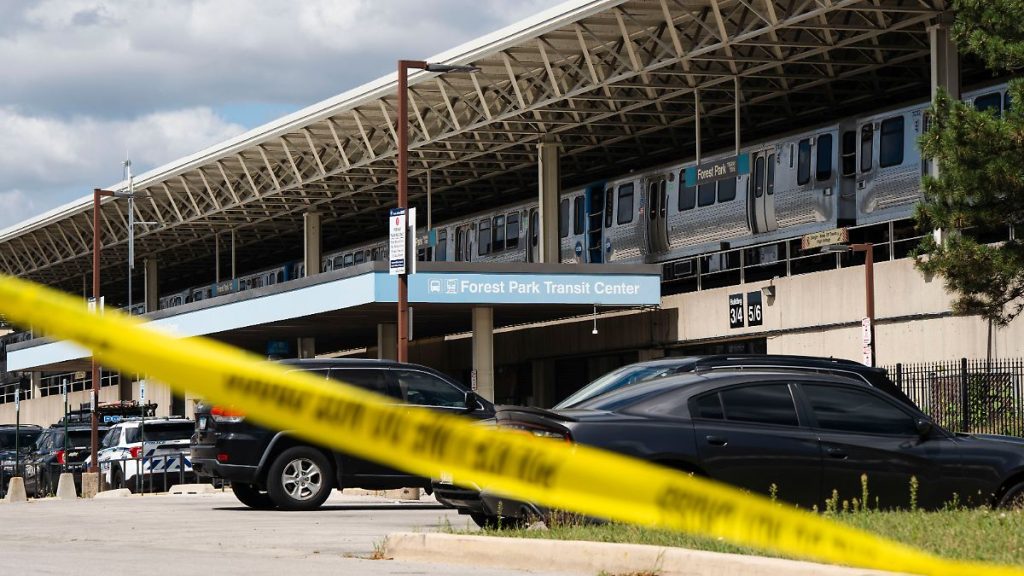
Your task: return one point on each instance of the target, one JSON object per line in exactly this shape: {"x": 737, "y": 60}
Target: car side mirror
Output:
{"x": 472, "y": 401}
{"x": 924, "y": 427}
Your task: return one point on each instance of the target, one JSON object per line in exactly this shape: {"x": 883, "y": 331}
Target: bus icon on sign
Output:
{"x": 435, "y": 287}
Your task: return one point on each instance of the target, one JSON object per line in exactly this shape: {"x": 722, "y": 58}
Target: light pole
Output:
{"x": 97, "y": 245}
{"x": 403, "y": 181}
{"x": 869, "y": 293}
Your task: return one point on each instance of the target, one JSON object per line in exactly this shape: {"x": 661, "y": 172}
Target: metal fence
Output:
{"x": 41, "y": 479}
{"x": 976, "y": 396}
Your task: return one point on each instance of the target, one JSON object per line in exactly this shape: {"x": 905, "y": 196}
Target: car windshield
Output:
{"x": 28, "y": 438}
{"x": 617, "y": 379}
{"x": 79, "y": 438}
{"x": 160, "y": 432}
{"x": 639, "y": 391}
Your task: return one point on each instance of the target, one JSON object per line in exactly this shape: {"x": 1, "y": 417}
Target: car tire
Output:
{"x": 116, "y": 479}
{"x": 300, "y": 479}
{"x": 1013, "y": 499}
{"x": 252, "y": 496}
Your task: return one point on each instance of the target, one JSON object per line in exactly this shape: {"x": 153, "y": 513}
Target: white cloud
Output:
{"x": 86, "y": 80}
{"x": 54, "y": 160}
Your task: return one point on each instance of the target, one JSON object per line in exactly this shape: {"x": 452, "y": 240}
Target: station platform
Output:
{"x": 343, "y": 309}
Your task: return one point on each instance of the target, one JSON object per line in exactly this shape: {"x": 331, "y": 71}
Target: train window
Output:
{"x": 359, "y": 257}
{"x": 867, "y": 146}
{"x": 687, "y": 194}
{"x": 625, "y": 204}
{"x": 580, "y": 210}
{"x": 759, "y": 177}
{"x": 803, "y": 163}
{"x": 849, "y": 153}
{"x": 512, "y": 231}
{"x": 459, "y": 241}
{"x": 988, "y": 102}
{"x": 823, "y": 170}
{"x": 563, "y": 218}
{"x": 770, "y": 183}
{"x": 498, "y": 243}
{"x": 348, "y": 260}
{"x": 338, "y": 261}
{"x": 890, "y": 144}
{"x": 375, "y": 254}
{"x": 664, "y": 198}
{"x": 652, "y": 194}
{"x": 483, "y": 241}
{"x": 609, "y": 206}
{"x": 280, "y": 276}
{"x": 706, "y": 194}
{"x": 726, "y": 190}
{"x": 441, "y": 251}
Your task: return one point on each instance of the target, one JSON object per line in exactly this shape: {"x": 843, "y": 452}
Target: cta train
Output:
{"x": 855, "y": 171}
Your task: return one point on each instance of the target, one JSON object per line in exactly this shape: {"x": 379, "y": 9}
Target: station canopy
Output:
{"x": 611, "y": 81}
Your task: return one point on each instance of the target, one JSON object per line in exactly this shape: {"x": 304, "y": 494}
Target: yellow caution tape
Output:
{"x": 424, "y": 442}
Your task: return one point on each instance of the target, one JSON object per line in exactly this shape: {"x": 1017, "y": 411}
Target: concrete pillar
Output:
{"x": 945, "y": 58}
{"x": 307, "y": 347}
{"x": 548, "y": 183}
{"x": 311, "y": 243}
{"x": 543, "y": 373}
{"x": 36, "y": 381}
{"x": 151, "y": 280}
{"x": 387, "y": 341}
{"x": 483, "y": 351}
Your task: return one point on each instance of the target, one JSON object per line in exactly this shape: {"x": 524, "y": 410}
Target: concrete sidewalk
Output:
{"x": 596, "y": 557}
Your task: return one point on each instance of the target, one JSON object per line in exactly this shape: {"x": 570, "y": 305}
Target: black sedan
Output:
{"x": 802, "y": 436}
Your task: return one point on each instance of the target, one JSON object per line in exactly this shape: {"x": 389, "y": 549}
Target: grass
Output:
{"x": 980, "y": 534}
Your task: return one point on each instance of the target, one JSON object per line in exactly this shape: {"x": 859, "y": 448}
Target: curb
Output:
{"x": 596, "y": 557}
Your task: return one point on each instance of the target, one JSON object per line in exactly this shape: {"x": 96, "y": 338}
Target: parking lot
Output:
{"x": 162, "y": 534}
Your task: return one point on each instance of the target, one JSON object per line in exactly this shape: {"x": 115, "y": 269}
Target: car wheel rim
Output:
{"x": 302, "y": 479}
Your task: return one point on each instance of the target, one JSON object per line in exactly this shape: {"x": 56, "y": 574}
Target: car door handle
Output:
{"x": 716, "y": 440}
{"x": 837, "y": 453}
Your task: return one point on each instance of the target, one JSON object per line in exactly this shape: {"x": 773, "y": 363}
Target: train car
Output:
{"x": 855, "y": 171}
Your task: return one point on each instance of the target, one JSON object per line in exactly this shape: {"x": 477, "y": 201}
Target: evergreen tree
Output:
{"x": 980, "y": 156}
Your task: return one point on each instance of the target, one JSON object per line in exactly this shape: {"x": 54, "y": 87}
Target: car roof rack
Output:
{"x": 110, "y": 412}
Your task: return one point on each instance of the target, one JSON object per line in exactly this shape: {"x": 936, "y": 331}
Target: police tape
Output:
{"x": 428, "y": 443}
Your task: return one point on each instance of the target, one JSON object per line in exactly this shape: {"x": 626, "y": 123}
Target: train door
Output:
{"x": 848, "y": 173}
{"x": 656, "y": 199}
{"x": 464, "y": 243}
{"x": 761, "y": 190}
{"x": 533, "y": 250}
{"x": 595, "y": 223}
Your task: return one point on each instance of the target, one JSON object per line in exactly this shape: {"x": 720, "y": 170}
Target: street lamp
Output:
{"x": 97, "y": 232}
{"x": 869, "y": 289}
{"x": 403, "y": 180}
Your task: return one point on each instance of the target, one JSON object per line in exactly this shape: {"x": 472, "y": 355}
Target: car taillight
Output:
{"x": 226, "y": 414}
{"x": 538, "y": 432}
{"x": 135, "y": 450}
{"x": 60, "y": 456}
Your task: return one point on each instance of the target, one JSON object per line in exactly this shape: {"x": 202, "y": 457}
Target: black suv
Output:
{"x": 269, "y": 468}
{"x": 10, "y": 436}
{"x": 54, "y": 453}
{"x": 466, "y": 499}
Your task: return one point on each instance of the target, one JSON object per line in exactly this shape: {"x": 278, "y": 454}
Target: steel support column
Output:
{"x": 152, "y": 284}
{"x": 311, "y": 242}
{"x": 387, "y": 341}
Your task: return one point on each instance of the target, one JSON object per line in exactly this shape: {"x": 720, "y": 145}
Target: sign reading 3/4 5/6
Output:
{"x": 736, "y": 315}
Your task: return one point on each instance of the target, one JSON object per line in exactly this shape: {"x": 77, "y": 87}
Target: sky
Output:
{"x": 86, "y": 83}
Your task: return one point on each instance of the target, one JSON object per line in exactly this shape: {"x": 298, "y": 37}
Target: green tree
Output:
{"x": 980, "y": 156}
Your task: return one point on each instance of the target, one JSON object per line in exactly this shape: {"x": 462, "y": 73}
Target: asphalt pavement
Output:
{"x": 202, "y": 534}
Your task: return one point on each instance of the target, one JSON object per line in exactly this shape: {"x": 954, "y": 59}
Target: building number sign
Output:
{"x": 750, "y": 315}
{"x": 754, "y": 309}
{"x": 736, "y": 315}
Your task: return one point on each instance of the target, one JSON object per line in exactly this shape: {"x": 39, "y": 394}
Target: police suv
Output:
{"x": 147, "y": 454}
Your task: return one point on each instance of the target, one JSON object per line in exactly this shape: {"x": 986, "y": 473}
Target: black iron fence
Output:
{"x": 976, "y": 396}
